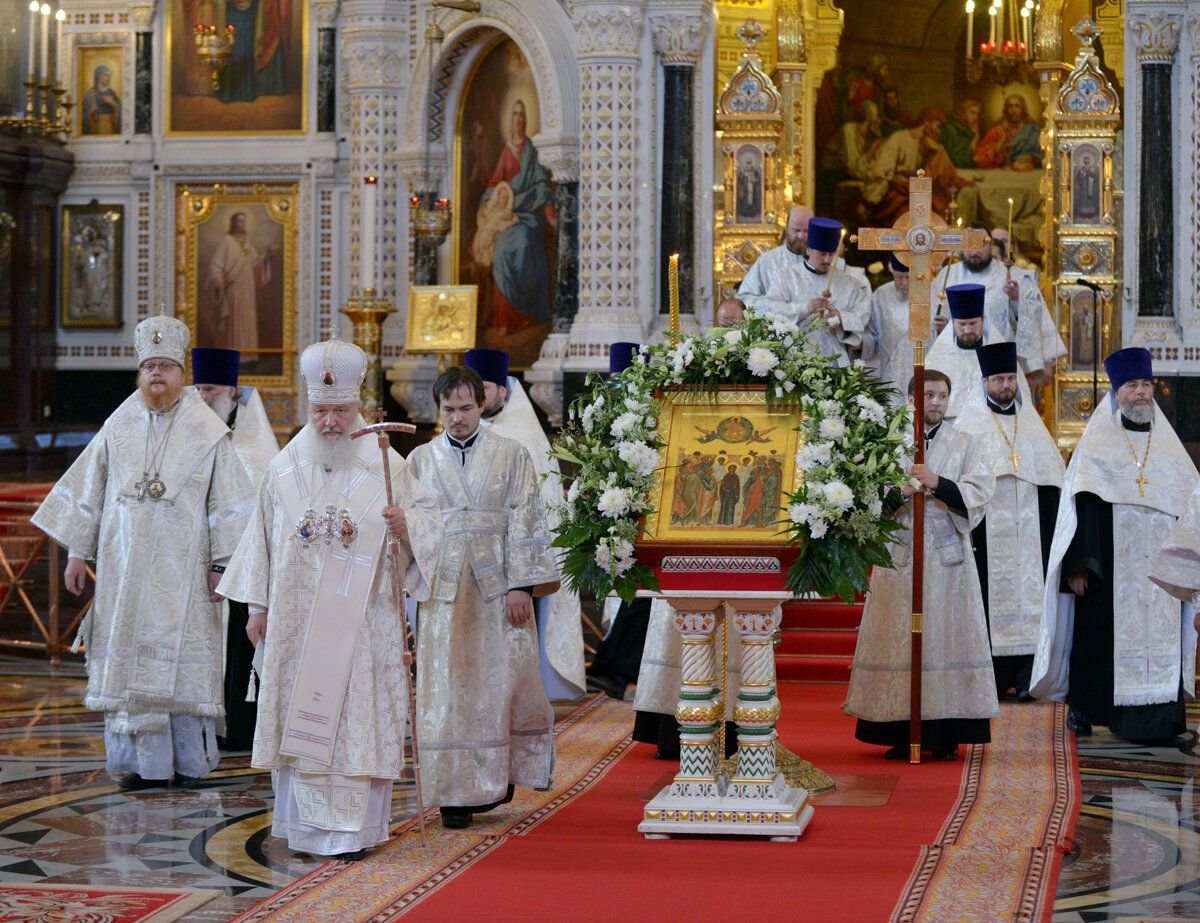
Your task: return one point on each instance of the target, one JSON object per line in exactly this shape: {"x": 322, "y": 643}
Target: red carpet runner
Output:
{"x": 980, "y": 829}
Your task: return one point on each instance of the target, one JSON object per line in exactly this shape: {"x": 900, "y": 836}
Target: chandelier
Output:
{"x": 214, "y": 48}
{"x": 1004, "y": 57}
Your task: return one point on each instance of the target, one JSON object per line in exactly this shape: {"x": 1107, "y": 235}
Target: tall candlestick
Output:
{"x": 992, "y": 26}
{"x": 970, "y": 26}
{"x": 59, "y": 18}
{"x": 1010, "y": 237}
{"x": 33, "y": 15}
{"x": 45, "y": 42}
{"x": 673, "y": 290}
{"x": 366, "y": 234}
{"x": 837, "y": 254}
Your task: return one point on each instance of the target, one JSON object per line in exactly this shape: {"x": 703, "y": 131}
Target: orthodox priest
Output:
{"x": 1114, "y": 644}
{"x": 157, "y": 499}
{"x": 313, "y": 569}
{"x": 885, "y": 342}
{"x": 766, "y": 269}
{"x": 797, "y": 292}
{"x": 484, "y": 720}
{"x": 508, "y": 412}
{"x": 1012, "y": 543}
{"x": 958, "y": 691}
{"x": 1015, "y": 307}
{"x": 215, "y": 377}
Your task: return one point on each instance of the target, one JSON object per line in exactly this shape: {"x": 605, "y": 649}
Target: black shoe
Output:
{"x": 613, "y": 688}
{"x": 456, "y": 818}
{"x": 898, "y": 752}
{"x": 350, "y": 856}
{"x": 945, "y": 753}
{"x": 491, "y": 806}
{"x": 182, "y": 781}
{"x": 1077, "y": 725}
{"x": 135, "y": 783}
{"x": 1026, "y": 696}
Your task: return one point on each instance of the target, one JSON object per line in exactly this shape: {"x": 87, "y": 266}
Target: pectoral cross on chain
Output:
{"x": 1141, "y": 480}
{"x": 1015, "y": 459}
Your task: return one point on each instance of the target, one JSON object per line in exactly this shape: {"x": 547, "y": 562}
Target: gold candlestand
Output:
{"x": 368, "y": 312}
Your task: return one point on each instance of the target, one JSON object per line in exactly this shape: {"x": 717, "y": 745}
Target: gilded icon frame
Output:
{"x": 271, "y": 223}
{"x": 430, "y": 330}
{"x": 91, "y": 271}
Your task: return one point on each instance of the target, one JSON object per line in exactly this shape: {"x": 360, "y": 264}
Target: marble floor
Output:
{"x": 62, "y": 819}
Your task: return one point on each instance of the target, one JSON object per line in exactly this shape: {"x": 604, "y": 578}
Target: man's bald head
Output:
{"x": 730, "y": 311}
{"x": 795, "y": 235}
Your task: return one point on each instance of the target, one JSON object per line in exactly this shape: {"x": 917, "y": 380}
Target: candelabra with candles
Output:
{"x": 214, "y": 47}
{"x": 366, "y": 310}
{"x": 1004, "y": 57}
{"x": 47, "y": 103}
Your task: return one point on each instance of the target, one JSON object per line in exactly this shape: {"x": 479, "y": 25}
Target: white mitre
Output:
{"x": 161, "y": 337}
{"x": 333, "y": 371}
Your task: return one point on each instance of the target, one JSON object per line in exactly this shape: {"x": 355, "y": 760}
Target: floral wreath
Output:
{"x": 853, "y": 455}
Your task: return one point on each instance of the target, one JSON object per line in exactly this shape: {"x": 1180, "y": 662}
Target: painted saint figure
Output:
{"x": 1012, "y": 143}
{"x": 235, "y": 274}
{"x": 101, "y": 105}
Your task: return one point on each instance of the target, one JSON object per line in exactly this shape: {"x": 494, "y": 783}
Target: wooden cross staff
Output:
{"x": 925, "y": 240}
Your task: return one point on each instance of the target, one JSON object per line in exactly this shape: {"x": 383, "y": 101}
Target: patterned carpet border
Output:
{"x": 998, "y": 854}
{"x": 98, "y": 902}
{"x": 395, "y": 877}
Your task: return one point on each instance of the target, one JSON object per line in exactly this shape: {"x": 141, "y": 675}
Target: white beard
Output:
{"x": 337, "y": 454}
{"x": 1137, "y": 414}
{"x": 223, "y": 406}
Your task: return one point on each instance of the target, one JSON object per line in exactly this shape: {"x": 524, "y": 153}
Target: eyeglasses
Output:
{"x": 159, "y": 366}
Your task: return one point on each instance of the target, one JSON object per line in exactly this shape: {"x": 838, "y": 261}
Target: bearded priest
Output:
{"x": 1113, "y": 644}
{"x": 313, "y": 568}
{"x": 157, "y": 500}
{"x": 1012, "y": 544}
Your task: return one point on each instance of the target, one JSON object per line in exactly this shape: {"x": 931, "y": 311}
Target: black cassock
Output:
{"x": 240, "y": 715}
{"x": 1090, "y": 687}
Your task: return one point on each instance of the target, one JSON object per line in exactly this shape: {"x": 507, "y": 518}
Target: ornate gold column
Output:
{"x": 367, "y": 312}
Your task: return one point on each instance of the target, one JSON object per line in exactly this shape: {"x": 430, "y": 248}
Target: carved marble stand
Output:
{"x": 756, "y": 800}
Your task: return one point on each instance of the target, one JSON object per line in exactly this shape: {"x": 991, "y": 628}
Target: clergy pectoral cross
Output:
{"x": 921, "y": 239}
{"x": 1141, "y": 481}
{"x": 1016, "y": 460}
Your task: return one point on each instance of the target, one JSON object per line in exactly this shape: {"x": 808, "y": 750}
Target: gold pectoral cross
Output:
{"x": 1016, "y": 460}
{"x": 1141, "y": 482}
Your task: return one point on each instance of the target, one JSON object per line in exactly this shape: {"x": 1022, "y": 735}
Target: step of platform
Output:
{"x": 817, "y": 640}
{"x": 802, "y": 668}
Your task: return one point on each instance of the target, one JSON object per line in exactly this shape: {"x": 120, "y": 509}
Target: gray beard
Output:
{"x": 335, "y": 454}
{"x": 1135, "y": 414}
{"x": 223, "y": 406}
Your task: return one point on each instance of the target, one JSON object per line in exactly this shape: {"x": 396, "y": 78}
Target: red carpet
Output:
{"x": 579, "y": 856}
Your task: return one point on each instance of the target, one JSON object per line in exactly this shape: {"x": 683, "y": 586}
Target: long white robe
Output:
{"x": 339, "y": 802}
{"x": 885, "y": 342}
{"x": 956, "y": 668}
{"x": 764, "y": 273}
{"x": 483, "y": 715}
{"x": 153, "y": 634}
{"x": 1176, "y": 565}
{"x": 793, "y": 287}
{"x": 962, "y": 367}
{"x": 253, "y": 437}
{"x": 560, "y": 616}
{"x": 1027, "y": 320}
{"x": 1154, "y": 639}
{"x": 1016, "y": 587}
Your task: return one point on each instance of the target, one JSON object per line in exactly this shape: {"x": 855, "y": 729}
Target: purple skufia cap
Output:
{"x": 620, "y": 356}
{"x": 213, "y": 366}
{"x": 997, "y": 359}
{"x": 824, "y": 234}
{"x": 1128, "y": 364}
{"x": 491, "y": 364}
{"x": 896, "y": 265}
{"x": 966, "y": 301}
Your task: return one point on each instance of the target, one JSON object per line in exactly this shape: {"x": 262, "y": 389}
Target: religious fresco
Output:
{"x": 884, "y": 113}
{"x": 238, "y": 266}
{"x": 729, "y": 461}
{"x": 504, "y": 202}
{"x": 98, "y": 88}
{"x": 259, "y": 90}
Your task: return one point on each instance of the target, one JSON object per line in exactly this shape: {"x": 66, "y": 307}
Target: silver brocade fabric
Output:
{"x": 886, "y": 345}
{"x": 154, "y": 636}
{"x": 956, "y": 659}
{"x": 484, "y": 719}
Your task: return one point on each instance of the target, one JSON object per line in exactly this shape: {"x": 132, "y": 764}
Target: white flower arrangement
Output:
{"x": 850, "y": 459}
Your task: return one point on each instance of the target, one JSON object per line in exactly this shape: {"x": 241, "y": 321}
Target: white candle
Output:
{"x": 59, "y": 17}
{"x": 991, "y": 25}
{"x": 970, "y": 27}
{"x": 45, "y": 42}
{"x": 366, "y": 234}
{"x": 1025, "y": 29}
{"x": 33, "y": 14}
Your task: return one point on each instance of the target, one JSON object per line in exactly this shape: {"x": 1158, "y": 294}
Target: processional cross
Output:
{"x": 926, "y": 240}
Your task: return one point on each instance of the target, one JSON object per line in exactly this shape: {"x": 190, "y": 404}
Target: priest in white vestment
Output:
{"x": 1015, "y": 307}
{"x": 508, "y": 412}
{"x": 484, "y": 721}
{"x": 958, "y": 690}
{"x": 1114, "y": 645}
{"x": 953, "y": 352}
{"x": 1012, "y": 544}
{"x": 885, "y": 342}
{"x": 215, "y": 379}
{"x": 314, "y": 569}
{"x": 157, "y": 500}
{"x": 797, "y": 292}
{"x": 765, "y": 271}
